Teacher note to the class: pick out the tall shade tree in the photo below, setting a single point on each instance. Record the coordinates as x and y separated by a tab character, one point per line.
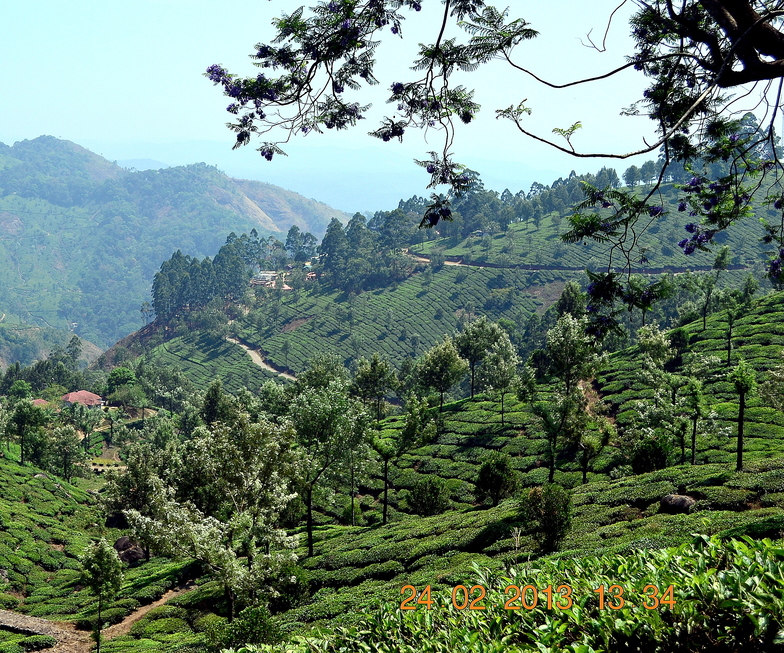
591	446
102	573
372	381
245	469
573	355
65	452
563	419
418	430
475	341
499	371
324	420
695	407
24	426
441	367
744	380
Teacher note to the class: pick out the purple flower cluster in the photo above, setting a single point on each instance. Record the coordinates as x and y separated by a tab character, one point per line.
600	326
653	211
700	237
694	185
334	7
397	88
779	203
682	205
776	268
266	152
217	75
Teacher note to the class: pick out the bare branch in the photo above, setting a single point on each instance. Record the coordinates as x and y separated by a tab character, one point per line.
593	46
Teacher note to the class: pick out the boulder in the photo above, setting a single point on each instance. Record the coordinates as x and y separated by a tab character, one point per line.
674	504
123	543
132	554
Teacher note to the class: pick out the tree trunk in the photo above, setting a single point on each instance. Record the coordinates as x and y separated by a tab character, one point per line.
473	369
503	394
585	471
694	440
230	599
552	462
741	415
683	448
309	507
98	626
386	489
441	406
353	521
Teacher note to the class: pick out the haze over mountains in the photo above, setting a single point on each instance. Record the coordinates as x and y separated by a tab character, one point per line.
81	237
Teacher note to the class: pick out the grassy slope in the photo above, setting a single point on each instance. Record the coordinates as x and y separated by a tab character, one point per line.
758	337
45	526
398	322
526	244
204	358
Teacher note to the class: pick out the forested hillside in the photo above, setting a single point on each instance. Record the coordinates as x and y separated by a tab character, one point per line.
81	237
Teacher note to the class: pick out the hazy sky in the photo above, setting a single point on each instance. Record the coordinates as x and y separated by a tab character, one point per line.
125	80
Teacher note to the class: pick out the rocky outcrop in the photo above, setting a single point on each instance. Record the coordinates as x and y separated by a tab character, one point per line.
675	504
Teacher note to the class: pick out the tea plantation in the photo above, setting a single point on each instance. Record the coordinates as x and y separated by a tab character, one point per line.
757	337
45	525
203	358
399	321
538	244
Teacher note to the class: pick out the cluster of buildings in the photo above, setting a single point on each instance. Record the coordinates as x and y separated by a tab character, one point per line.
89	399
269	279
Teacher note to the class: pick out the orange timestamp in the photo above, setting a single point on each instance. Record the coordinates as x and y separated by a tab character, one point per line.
528	597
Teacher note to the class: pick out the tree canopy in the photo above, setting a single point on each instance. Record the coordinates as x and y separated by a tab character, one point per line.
707	66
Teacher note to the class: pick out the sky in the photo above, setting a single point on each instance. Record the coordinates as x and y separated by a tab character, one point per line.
125	79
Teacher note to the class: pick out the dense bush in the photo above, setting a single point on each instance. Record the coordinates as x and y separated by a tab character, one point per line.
252	625
497	479
548	510
429	496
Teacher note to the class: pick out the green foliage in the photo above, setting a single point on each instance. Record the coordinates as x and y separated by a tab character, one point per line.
497	479
252	626
441	367
548	509
429	496
750	618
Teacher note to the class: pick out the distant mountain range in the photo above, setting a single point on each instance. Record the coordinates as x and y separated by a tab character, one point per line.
81	237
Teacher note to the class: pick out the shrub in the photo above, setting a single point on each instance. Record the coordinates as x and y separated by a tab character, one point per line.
8	601
37	642
208	622
252	626
429	496
163	611
11	647
497	478
548	509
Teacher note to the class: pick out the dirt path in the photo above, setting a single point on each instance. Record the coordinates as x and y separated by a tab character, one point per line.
125	625
257	358
69	640
422	259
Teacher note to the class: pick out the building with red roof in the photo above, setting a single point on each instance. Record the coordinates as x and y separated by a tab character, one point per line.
89	399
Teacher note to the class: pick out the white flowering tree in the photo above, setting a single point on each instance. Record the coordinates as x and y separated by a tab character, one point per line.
250	466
